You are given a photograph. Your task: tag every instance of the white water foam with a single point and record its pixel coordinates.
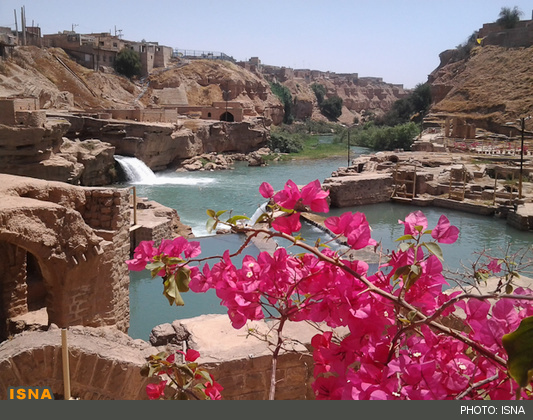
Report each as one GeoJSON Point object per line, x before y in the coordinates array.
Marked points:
{"type": "Point", "coordinates": [138, 173]}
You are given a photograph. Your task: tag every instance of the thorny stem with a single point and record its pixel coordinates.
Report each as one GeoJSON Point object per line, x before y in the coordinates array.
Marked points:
{"type": "Point", "coordinates": [272, 391]}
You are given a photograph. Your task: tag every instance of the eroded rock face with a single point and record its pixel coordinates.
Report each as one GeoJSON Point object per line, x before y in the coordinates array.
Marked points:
{"type": "Point", "coordinates": [42, 152]}
{"type": "Point", "coordinates": [70, 241]}
{"type": "Point", "coordinates": [161, 146]}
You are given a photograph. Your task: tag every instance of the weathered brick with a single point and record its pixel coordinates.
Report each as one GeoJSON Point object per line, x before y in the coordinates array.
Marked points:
{"type": "Point", "coordinates": [256, 381]}
{"type": "Point", "coordinates": [101, 373]}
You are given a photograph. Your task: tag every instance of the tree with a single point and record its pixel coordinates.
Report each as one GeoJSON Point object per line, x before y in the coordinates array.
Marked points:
{"type": "Point", "coordinates": [128, 63]}
{"type": "Point", "coordinates": [332, 107]}
{"type": "Point", "coordinates": [284, 95]}
{"type": "Point", "coordinates": [320, 92]}
{"type": "Point", "coordinates": [509, 17]}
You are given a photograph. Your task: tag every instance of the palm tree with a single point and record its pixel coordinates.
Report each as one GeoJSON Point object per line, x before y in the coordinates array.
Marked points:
{"type": "Point", "coordinates": [509, 17]}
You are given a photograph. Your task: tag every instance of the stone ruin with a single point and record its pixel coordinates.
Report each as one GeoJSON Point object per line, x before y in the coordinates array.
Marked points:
{"type": "Point", "coordinates": [62, 253]}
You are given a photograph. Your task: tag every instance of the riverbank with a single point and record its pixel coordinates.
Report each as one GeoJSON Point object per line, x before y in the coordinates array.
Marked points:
{"type": "Point", "coordinates": [459, 181]}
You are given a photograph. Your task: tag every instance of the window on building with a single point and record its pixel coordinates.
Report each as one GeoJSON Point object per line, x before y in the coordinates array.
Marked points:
{"type": "Point", "coordinates": [101, 43]}
{"type": "Point", "coordinates": [115, 44]}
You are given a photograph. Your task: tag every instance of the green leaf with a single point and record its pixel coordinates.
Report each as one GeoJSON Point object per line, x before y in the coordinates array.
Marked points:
{"type": "Point", "coordinates": [519, 347]}
{"type": "Point", "coordinates": [402, 271]}
{"type": "Point", "coordinates": [220, 213]}
{"type": "Point", "coordinates": [183, 280]}
{"type": "Point", "coordinates": [435, 249]}
{"type": "Point", "coordinates": [233, 220]}
{"type": "Point", "coordinates": [404, 246]}
{"type": "Point", "coordinates": [211, 213]}
{"type": "Point", "coordinates": [205, 375]}
{"type": "Point", "coordinates": [172, 292]}
{"type": "Point", "coordinates": [211, 225]}
{"type": "Point", "coordinates": [155, 267]}
{"type": "Point", "coordinates": [405, 238]}
{"type": "Point", "coordinates": [413, 276]}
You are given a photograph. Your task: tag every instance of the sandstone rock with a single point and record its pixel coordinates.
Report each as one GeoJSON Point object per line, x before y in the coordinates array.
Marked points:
{"type": "Point", "coordinates": [162, 334]}
{"type": "Point", "coordinates": [181, 332]}
{"type": "Point", "coordinates": [195, 166]}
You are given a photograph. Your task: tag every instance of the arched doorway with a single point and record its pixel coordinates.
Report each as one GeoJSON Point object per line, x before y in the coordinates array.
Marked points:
{"type": "Point", "coordinates": [22, 290]}
{"type": "Point", "coordinates": [36, 291]}
{"type": "Point", "coordinates": [227, 116]}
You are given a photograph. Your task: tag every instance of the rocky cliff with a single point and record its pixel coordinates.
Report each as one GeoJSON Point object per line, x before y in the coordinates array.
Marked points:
{"type": "Point", "coordinates": [43, 152]}
{"type": "Point", "coordinates": [491, 86]}
{"type": "Point", "coordinates": [362, 98]}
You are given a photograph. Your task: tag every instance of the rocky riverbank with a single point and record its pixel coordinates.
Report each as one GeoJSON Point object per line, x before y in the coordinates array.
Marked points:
{"type": "Point", "coordinates": [468, 182]}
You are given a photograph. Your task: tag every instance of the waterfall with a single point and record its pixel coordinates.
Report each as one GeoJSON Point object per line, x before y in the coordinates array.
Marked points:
{"type": "Point", "coordinates": [257, 214]}
{"type": "Point", "coordinates": [136, 171]}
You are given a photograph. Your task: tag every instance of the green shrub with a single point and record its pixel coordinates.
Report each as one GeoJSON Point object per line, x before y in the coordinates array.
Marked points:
{"type": "Point", "coordinates": [128, 63]}
{"type": "Point", "coordinates": [286, 142]}
{"type": "Point", "coordinates": [284, 95]}
{"type": "Point", "coordinates": [383, 138]}
{"type": "Point", "coordinates": [332, 107]}
{"type": "Point", "coordinates": [320, 92]}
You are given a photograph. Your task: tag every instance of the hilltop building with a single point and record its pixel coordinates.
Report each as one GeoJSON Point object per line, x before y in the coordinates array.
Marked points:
{"type": "Point", "coordinates": [101, 49]}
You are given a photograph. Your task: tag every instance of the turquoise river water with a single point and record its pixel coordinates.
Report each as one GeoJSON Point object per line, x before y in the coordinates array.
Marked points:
{"type": "Point", "coordinates": [237, 190]}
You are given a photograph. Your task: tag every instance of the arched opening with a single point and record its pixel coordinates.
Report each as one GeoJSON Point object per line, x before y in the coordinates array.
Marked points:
{"type": "Point", "coordinates": [36, 291]}
{"type": "Point", "coordinates": [208, 115]}
{"type": "Point", "coordinates": [227, 116]}
{"type": "Point", "coordinates": [22, 290]}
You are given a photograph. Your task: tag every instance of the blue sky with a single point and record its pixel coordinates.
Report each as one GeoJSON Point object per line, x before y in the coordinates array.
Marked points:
{"type": "Point", "coordinates": [398, 40]}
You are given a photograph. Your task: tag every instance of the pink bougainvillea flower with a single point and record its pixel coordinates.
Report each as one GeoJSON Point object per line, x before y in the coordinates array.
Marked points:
{"type": "Point", "coordinates": [354, 226]}
{"type": "Point", "coordinates": [315, 197]}
{"type": "Point", "coordinates": [144, 253]}
{"type": "Point", "coordinates": [212, 390]}
{"type": "Point", "coordinates": [156, 391]}
{"type": "Point", "coordinates": [495, 266]}
{"type": "Point", "coordinates": [287, 224]}
{"type": "Point", "coordinates": [311, 195]}
{"type": "Point", "coordinates": [266, 190]}
{"type": "Point", "coordinates": [412, 220]}
{"type": "Point", "coordinates": [191, 355]}
{"type": "Point", "coordinates": [288, 196]}
{"type": "Point", "coordinates": [444, 232]}
{"type": "Point", "coordinates": [179, 245]}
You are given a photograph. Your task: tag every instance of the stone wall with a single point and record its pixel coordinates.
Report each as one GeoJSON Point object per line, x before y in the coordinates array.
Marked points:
{"type": "Point", "coordinates": [106, 364]}
{"type": "Point", "coordinates": [79, 240]}
{"type": "Point", "coordinates": [355, 190]}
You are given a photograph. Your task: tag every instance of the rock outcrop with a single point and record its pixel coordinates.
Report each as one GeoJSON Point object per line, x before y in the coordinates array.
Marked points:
{"type": "Point", "coordinates": [161, 145]}
{"type": "Point", "coordinates": [490, 87]}
{"type": "Point", "coordinates": [43, 152]}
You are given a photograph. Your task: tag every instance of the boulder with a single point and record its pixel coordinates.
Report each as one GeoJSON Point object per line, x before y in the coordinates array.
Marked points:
{"type": "Point", "coordinates": [162, 334]}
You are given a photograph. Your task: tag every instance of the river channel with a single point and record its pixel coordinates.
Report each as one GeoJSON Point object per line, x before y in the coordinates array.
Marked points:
{"type": "Point", "coordinates": [237, 190]}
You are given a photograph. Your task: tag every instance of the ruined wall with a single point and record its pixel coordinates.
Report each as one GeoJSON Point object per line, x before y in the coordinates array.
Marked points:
{"type": "Point", "coordinates": [106, 364]}
{"type": "Point", "coordinates": [355, 190]}
{"type": "Point", "coordinates": [79, 239]}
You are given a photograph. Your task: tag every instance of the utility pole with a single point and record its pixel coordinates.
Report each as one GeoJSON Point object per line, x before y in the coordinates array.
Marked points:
{"type": "Point", "coordinates": [16, 26]}
{"type": "Point", "coordinates": [73, 26]}
{"type": "Point", "coordinates": [23, 24]}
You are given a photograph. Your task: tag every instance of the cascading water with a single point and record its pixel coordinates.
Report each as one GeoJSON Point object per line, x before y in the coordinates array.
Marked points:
{"type": "Point", "coordinates": [136, 170]}
{"type": "Point", "coordinates": [258, 213]}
